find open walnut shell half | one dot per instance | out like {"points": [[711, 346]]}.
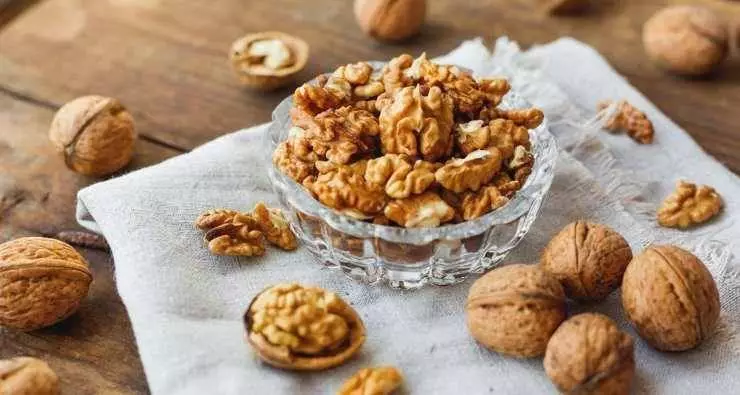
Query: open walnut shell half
{"points": [[295, 327], [268, 60]]}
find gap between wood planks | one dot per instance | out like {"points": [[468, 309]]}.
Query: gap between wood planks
{"points": [[54, 107]]}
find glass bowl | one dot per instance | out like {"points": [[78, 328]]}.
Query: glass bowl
{"points": [[409, 258]]}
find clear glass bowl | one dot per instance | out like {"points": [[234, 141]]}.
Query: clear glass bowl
{"points": [[409, 258]]}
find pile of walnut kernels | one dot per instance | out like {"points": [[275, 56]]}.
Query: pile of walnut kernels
{"points": [[416, 145]]}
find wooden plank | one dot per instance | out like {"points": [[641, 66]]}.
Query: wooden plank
{"points": [[167, 60], [94, 350]]}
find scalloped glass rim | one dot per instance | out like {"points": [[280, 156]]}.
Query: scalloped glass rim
{"points": [[544, 149]]}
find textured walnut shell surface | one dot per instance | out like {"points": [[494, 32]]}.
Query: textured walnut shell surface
{"points": [[515, 309], [283, 358], [299, 50], [391, 20], [588, 354], [96, 135], [684, 39], [588, 259], [27, 376], [42, 281], [671, 298]]}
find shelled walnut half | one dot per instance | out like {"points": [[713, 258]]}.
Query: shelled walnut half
{"points": [[628, 118], [382, 380], [27, 376], [689, 205], [292, 326], [268, 60]]}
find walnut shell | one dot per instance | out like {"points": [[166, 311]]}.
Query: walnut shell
{"points": [[266, 78], [42, 281], [515, 309], [27, 376], [588, 354], [302, 328], [96, 135], [391, 20], [684, 39], [588, 259], [670, 297]]}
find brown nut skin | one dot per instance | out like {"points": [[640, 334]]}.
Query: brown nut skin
{"points": [[588, 354], [27, 376], [588, 259], [283, 358], [42, 281], [670, 297], [95, 134], [390, 20], [515, 309], [687, 40]]}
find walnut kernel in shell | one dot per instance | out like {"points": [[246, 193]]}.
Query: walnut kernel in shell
{"points": [[95, 134], [291, 326], [588, 354], [670, 297], [588, 259], [42, 281], [515, 309], [268, 60], [27, 376]]}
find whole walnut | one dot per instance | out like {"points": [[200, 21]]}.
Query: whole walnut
{"points": [[588, 259], [96, 135], [391, 20], [515, 309], [684, 39], [42, 281], [670, 297], [27, 376], [588, 354]]}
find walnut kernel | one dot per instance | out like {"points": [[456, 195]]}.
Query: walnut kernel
{"points": [[471, 172], [689, 205], [273, 224], [291, 326], [425, 210], [382, 380], [229, 232], [95, 134], [268, 60], [515, 309], [27, 376], [42, 281], [629, 118], [670, 297]]}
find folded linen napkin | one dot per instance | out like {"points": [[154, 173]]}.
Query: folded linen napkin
{"points": [[186, 305]]}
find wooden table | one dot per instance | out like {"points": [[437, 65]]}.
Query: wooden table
{"points": [[166, 60]]}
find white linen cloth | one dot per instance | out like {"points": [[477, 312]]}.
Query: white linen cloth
{"points": [[186, 305]]}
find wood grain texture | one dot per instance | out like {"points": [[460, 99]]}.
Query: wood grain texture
{"points": [[166, 61]]}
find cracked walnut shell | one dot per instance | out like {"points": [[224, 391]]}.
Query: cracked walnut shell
{"points": [[689, 205], [417, 211], [382, 380], [42, 281], [268, 60], [27, 376], [95, 134], [515, 309], [588, 259], [588, 354], [291, 326], [670, 297]]}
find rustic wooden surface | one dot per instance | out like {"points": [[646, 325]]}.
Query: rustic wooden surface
{"points": [[166, 60]]}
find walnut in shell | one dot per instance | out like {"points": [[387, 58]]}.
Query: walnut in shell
{"points": [[670, 297], [390, 20], [292, 326], [588, 354], [382, 380], [27, 376], [95, 134], [689, 205], [515, 309], [588, 259], [42, 281], [686, 39], [268, 60]]}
